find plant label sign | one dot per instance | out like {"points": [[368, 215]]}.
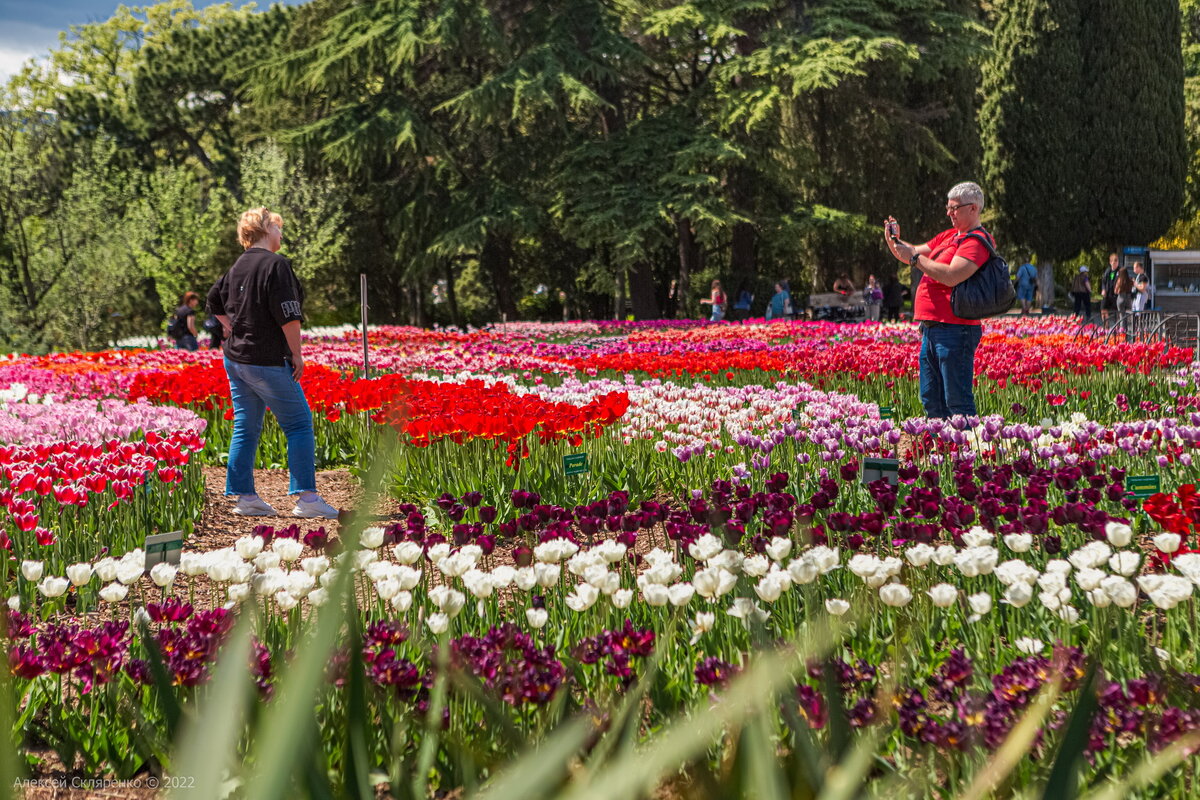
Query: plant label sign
{"points": [[163, 547], [1142, 486], [875, 468], [575, 464], [887, 412]]}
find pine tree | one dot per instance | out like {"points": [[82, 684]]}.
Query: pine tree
{"points": [[1035, 168], [1134, 117]]}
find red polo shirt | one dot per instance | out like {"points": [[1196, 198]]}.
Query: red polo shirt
{"points": [[932, 302]]}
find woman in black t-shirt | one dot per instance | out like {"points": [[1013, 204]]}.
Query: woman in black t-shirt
{"points": [[258, 301]]}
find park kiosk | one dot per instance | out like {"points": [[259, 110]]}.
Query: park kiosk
{"points": [[1175, 278]]}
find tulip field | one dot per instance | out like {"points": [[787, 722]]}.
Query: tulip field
{"points": [[603, 559]]}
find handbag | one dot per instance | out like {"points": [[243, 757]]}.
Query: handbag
{"points": [[989, 291]]}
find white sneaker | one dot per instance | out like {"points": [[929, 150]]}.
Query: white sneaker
{"points": [[254, 507], [317, 508]]}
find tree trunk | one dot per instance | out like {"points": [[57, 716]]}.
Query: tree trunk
{"points": [[451, 297], [743, 266], [1046, 284], [641, 291], [496, 261], [689, 256], [619, 300]]}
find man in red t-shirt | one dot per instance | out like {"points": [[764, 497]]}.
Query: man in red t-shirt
{"points": [[948, 342]]}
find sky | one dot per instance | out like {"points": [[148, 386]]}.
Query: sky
{"points": [[29, 28]]}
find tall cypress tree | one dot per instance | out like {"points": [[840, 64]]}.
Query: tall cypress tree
{"points": [[1134, 118], [1034, 166]]}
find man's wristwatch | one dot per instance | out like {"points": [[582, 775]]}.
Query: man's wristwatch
{"points": [[912, 262]]}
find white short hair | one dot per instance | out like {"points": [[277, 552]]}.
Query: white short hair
{"points": [[966, 193]]}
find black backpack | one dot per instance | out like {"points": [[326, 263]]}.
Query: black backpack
{"points": [[989, 292], [176, 327]]}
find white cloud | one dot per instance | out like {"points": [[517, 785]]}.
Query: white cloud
{"points": [[20, 42]]}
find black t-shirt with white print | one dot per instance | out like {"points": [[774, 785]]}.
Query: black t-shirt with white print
{"points": [[260, 293]]}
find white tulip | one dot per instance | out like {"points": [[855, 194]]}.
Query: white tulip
{"points": [[756, 566], [163, 574], [387, 588], [525, 578], [826, 559], [919, 554], [547, 574], [536, 617], [944, 555], [681, 593], [114, 592], [980, 603], [621, 598], [192, 564], [248, 547], [129, 573], [744, 608], [1121, 592], [779, 548], [288, 549], [943, 595], [402, 602], [836, 606], [1188, 566], [1018, 542], [438, 624], [1030, 646], [285, 601], [1167, 542], [141, 617], [705, 547], [1018, 595], [450, 601], [14, 602], [896, 595], [315, 565], [1118, 533], [365, 558], [702, 624], [1089, 579], [371, 538], [238, 592], [802, 571], [1125, 563], [864, 565], [1058, 566], [977, 537], [318, 597], [769, 589], [53, 586], [655, 594], [407, 552], [32, 570], [79, 574], [1016, 571], [267, 559], [1068, 614], [585, 595], [611, 550], [438, 551], [106, 569], [1098, 598]]}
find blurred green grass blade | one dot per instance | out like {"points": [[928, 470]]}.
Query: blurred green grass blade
{"points": [[208, 741], [1150, 769], [541, 771], [10, 766], [1015, 746], [839, 723], [164, 692], [845, 781], [640, 772], [764, 780], [358, 722], [1063, 782], [285, 736]]}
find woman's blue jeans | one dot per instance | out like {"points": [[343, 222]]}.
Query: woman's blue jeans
{"points": [[254, 389], [948, 368]]}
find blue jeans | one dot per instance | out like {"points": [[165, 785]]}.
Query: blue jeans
{"points": [[254, 388], [948, 369], [187, 342], [718, 313]]}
